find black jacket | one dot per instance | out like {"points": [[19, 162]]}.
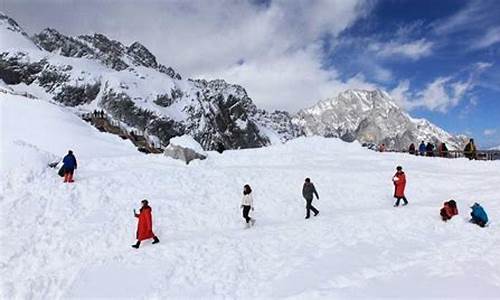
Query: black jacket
{"points": [[308, 190]]}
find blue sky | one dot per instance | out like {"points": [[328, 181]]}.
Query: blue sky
{"points": [[439, 59], [456, 40]]}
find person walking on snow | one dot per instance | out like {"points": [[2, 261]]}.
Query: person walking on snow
{"points": [[69, 165], [144, 224], [247, 205], [422, 148], [308, 191], [478, 215], [399, 180]]}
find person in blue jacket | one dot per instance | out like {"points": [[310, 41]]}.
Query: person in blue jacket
{"points": [[478, 215], [422, 148], [69, 165]]}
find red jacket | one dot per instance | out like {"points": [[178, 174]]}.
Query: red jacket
{"points": [[145, 224], [448, 211], [399, 184]]}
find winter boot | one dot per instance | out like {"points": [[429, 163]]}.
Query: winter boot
{"points": [[252, 222], [156, 240], [316, 214], [136, 246]]}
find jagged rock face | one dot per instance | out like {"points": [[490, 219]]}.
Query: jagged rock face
{"points": [[222, 115], [51, 40], [110, 52], [370, 117], [280, 122], [15, 69], [142, 56]]}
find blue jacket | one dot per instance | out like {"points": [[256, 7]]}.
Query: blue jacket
{"points": [[478, 213], [69, 162], [422, 148]]}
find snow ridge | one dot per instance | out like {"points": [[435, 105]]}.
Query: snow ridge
{"points": [[371, 117]]}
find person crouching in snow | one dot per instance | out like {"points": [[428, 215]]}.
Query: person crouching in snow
{"points": [[69, 165], [247, 204], [399, 180], [144, 225], [449, 210], [478, 215]]}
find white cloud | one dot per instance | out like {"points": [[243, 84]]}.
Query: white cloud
{"points": [[272, 49], [475, 15], [292, 81], [489, 132], [491, 37], [413, 50], [441, 94]]}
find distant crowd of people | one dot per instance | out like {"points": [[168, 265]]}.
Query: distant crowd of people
{"points": [[441, 150]]}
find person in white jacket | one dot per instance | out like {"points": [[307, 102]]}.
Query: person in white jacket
{"points": [[247, 204]]}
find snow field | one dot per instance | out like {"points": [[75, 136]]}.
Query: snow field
{"points": [[73, 240]]}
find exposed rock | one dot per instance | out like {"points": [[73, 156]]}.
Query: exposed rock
{"points": [[141, 56], [184, 148], [371, 117]]}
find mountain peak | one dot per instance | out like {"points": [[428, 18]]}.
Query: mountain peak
{"points": [[13, 37], [370, 116], [142, 56]]}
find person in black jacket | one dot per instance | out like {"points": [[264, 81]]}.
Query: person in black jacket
{"points": [[308, 191], [429, 149], [411, 149]]}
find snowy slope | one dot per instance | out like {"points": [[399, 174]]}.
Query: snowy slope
{"points": [[371, 117], [61, 241]]}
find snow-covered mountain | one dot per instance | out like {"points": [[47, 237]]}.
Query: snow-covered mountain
{"points": [[93, 71], [371, 117], [90, 72]]}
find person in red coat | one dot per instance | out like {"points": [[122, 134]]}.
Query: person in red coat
{"points": [[399, 180], [449, 210], [144, 225]]}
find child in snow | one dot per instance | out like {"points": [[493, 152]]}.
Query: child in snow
{"points": [[308, 191], [478, 215], [145, 224], [69, 166], [399, 180], [247, 204], [449, 210]]}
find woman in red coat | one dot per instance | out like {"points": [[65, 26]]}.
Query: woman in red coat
{"points": [[399, 181], [144, 225]]}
